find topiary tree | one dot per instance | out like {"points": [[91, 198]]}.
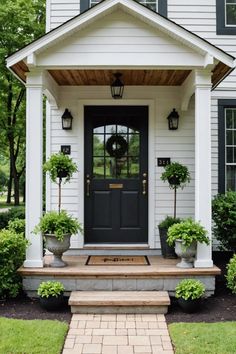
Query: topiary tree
{"points": [[224, 217]]}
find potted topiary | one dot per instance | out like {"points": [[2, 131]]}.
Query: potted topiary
{"points": [[185, 236], [167, 250], [51, 295], [189, 293], [177, 176], [231, 274], [57, 227]]}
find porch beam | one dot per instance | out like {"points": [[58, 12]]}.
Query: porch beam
{"points": [[51, 89], [34, 177], [188, 88], [203, 162]]}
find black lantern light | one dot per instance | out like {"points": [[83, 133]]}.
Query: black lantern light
{"points": [[173, 120], [117, 87], [66, 120]]}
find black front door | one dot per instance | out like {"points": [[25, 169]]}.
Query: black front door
{"points": [[116, 165]]}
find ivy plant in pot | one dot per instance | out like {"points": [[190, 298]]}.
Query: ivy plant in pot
{"points": [[167, 251], [189, 293], [51, 295], [177, 176], [57, 227], [185, 236]]}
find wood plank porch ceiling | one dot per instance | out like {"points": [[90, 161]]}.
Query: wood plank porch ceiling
{"points": [[129, 77]]}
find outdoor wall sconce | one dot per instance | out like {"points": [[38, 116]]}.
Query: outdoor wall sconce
{"points": [[117, 87], [66, 120], [173, 120]]}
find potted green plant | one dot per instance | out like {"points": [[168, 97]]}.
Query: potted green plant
{"points": [[189, 293], [57, 227], [177, 176], [185, 236], [231, 274], [167, 250], [51, 295]]}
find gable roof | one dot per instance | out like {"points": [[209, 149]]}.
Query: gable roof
{"points": [[137, 10]]}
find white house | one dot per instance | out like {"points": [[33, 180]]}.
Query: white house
{"points": [[171, 54]]}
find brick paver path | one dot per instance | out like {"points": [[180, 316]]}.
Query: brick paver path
{"points": [[118, 334]]}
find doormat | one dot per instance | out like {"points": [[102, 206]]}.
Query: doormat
{"points": [[117, 260]]}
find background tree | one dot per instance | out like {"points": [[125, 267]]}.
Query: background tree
{"points": [[21, 21]]}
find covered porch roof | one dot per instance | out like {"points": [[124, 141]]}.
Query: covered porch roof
{"points": [[151, 67]]}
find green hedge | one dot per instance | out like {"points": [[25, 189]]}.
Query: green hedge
{"points": [[12, 255], [11, 214]]}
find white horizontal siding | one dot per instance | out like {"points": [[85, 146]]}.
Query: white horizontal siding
{"points": [[60, 11]]}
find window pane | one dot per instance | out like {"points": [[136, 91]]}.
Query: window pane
{"points": [[231, 178], [133, 167], [229, 119], [230, 14], [134, 145], [98, 130], [111, 129], [116, 168], [229, 154], [98, 167], [98, 145], [110, 167], [122, 129], [229, 137]]}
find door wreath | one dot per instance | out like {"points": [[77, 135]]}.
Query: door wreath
{"points": [[116, 146]]}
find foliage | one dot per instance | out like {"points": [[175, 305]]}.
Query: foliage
{"points": [[189, 289], [231, 274], [57, 163], [178, 172], [224, 217], [34, 336], [207, 338], [17, 225], [58, 224], [187, 231], [50, 288], [28, 24], [11, 214], [3, 180], [169, 221], [12, 255]]}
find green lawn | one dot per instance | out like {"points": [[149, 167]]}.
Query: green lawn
{"points": [[31, 337], [204, 338]]}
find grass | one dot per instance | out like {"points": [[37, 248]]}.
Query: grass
{"points": [[204, 338], [31, 337]]}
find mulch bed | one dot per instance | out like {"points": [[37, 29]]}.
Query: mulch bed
{"points": [[220, 307]]}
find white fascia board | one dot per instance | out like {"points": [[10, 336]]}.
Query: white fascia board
{"points": [[135, 9]]}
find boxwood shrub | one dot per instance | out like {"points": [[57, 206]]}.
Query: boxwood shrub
{"points": [[224, 217], [12, 255], [11, 214]]}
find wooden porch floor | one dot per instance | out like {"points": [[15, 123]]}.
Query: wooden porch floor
{"points": [[158, 268]]}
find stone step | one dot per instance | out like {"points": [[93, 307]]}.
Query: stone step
{"points": [[119, 302]]}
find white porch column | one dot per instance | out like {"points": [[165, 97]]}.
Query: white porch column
{"points": [[203, 162], [34, 178]]}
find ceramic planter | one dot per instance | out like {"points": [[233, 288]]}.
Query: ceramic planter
{"points": [[189, 305], [57, 248], [52, 303], [167, 251], [186, 254]]}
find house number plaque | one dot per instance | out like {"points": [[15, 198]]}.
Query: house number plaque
{"points": [[163, 161], [66, 149]]}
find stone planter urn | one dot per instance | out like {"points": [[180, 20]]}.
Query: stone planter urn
{"points": [[186, 254], [57, 248]]}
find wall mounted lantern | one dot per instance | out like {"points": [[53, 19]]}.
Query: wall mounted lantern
{"points": [[173, 120], [117, 87], [66, 120]]}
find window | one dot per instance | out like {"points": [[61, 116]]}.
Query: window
{"points": [[227, 145], [226, 17], [159, 6]]}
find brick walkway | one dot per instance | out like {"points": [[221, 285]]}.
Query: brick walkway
{"points": [[118, 334]]}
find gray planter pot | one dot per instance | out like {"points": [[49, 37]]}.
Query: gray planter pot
{"points": [[57, 248], [186, 255]]}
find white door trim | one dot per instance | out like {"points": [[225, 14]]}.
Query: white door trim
{"points": [[151, 156]]}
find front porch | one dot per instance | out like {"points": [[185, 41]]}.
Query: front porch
{"points": [[161, 275]]}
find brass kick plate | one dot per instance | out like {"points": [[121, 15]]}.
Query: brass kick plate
{"points": [[115, 185]]}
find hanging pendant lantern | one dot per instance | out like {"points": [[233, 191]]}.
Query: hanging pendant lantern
{"points": [[117, 87]]}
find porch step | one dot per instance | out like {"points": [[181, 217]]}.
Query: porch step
{"points": [[119, 302]]}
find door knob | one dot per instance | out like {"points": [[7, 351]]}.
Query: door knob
{"points": [[87, 185]]}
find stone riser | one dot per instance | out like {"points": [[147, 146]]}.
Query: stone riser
{"points": [[31, 283], [120, 310]]}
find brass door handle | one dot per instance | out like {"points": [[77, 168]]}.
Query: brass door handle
{"points": [[144, 186], [88, 186]]}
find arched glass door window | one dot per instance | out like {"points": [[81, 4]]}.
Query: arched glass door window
{"points": [[116, 152]]}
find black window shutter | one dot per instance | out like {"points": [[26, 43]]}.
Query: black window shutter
{"points": [[84, 5], [162, 7]]}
